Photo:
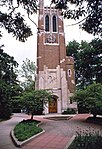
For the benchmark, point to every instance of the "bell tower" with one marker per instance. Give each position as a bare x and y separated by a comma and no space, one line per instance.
52,63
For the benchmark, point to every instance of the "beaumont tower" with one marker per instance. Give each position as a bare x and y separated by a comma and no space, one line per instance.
55,71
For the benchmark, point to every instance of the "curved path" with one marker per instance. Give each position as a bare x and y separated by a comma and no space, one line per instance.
57,134
6,127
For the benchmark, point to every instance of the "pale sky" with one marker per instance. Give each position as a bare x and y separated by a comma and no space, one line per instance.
20,51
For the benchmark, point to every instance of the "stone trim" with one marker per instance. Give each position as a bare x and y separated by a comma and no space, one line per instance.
70,142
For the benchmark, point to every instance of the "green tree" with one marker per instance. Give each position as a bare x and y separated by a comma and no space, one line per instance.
12,18
88,61
72,49
90,12
90,99
27,74
97,59
34,100
8,79
5,106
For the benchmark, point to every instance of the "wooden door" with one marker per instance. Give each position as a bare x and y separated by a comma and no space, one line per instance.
53,106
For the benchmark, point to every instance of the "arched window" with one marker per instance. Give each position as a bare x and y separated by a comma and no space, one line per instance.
69,72
47,23
54,24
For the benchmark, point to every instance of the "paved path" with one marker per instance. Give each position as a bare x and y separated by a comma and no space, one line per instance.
57,134
6,127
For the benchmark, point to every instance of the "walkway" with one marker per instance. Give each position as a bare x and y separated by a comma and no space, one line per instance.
57,134
6,127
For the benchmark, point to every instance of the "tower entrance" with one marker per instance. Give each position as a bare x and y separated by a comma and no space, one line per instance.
53,106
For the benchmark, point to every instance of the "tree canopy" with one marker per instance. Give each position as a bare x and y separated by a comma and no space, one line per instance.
35,100
87,12
8,83
27,74
88,61
13,20
90,99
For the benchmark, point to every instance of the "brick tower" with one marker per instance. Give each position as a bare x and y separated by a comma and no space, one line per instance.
55,71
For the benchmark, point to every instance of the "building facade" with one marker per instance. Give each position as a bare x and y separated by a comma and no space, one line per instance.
55,71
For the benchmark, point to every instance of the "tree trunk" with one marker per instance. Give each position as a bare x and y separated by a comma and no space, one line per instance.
32,116
94,115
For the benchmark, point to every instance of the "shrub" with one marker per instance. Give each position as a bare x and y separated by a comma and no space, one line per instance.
90,99
87,140
96,111
26,129
69,111
97,120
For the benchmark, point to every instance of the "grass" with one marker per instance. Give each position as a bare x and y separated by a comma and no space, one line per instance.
26,129
89,139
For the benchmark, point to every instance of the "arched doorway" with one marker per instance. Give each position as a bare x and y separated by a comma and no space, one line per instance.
53,105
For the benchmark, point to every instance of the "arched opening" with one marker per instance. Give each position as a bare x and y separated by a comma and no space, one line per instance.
47,23
53,104
54,22
69,72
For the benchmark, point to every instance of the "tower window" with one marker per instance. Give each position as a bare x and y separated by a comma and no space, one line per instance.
47,23
69,72
54,24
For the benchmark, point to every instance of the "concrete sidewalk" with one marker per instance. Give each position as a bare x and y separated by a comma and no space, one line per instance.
6,127
57,133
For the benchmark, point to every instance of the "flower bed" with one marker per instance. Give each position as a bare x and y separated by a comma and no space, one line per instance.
89,139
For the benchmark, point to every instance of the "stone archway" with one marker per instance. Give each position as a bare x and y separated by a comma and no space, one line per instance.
53,104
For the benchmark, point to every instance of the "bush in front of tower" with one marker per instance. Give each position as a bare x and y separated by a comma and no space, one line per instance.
69,111
89,99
